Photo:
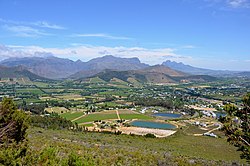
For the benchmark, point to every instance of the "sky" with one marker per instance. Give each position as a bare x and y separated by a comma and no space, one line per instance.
213,34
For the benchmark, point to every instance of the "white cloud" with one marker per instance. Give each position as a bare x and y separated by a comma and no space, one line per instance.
40,24
45,24
230,3
17,51
25,31
102,35
87,52
233,60
239,3
188,46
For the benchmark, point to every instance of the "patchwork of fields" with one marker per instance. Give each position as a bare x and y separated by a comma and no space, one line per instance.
104,115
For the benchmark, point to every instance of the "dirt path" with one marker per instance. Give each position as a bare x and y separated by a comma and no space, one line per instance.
117,113
217,128
85,123
214,129
23,81
78,118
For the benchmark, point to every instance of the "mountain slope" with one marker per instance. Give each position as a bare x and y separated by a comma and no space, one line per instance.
161,69
157,74
110,62
187,68
18,72
200,71
154,74
115,63
243,74
50,67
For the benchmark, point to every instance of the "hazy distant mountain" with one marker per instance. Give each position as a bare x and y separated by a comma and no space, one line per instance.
116,63
53,67
161,69
187,68
18,72
84,74
97,65
197,71
50,67
243,74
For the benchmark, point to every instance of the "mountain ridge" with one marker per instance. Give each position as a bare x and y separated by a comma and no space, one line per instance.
196,70
18,72
158,74
61,68
57,68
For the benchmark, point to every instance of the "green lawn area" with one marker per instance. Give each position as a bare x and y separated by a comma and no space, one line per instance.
53,90
96,80
124,114
134,116
96,116
41,84
32,100
30,90
88,125
71,116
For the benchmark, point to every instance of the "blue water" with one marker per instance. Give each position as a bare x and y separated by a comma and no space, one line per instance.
169,115
156,125
218,114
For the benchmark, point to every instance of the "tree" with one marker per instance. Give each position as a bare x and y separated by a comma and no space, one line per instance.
13,126
13,122
237,126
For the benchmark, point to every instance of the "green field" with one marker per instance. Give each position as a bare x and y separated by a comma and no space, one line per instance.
96,80
30,90
135,116
41,84
71,116
97,116
88,125
104,115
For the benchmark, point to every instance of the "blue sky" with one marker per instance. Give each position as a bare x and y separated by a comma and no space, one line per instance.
205,33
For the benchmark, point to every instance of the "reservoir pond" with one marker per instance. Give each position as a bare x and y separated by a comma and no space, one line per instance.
156,125
168,115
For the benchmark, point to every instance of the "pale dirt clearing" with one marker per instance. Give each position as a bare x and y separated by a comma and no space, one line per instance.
143,131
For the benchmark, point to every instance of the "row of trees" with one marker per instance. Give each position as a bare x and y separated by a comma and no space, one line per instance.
151,101
54,122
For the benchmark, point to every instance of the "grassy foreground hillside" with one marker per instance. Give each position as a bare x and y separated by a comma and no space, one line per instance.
110,149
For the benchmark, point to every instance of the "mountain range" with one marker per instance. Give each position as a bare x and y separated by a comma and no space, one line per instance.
109,67
56,68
